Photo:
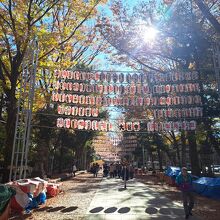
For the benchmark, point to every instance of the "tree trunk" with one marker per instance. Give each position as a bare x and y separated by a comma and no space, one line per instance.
10,129
160,159
1,105
175,143
193,153
79,155
61,159
183,140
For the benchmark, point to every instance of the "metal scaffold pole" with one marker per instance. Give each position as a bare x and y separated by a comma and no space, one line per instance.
19,158
216,62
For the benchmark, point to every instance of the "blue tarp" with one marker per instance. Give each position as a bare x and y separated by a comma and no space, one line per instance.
172,171
207,186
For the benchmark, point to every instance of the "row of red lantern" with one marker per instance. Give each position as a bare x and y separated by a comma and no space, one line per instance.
120,151
84,124
77,111
104,139
114,142
111,147
94,125
121,77
120,138
129,89
171,126
178,113
126,101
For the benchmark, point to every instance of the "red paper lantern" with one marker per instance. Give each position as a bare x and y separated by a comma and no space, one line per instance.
115,77
103,76
81,124
75,99
121,89
88,125
121,77
92,100
75,87
60,122
81,111
147,101
154,101
162,101
128,126
98,100
136,126
82,87
74,110
97,76
74,123
192,125
63,97
77,75
134,78
95,112
105,89
67,123
110,89
88,112
60,109
68,110
128,77
82,99
176,126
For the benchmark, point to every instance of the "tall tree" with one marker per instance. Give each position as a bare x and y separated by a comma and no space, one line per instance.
59,26
183,41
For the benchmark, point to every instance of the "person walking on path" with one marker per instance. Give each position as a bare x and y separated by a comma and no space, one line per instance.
74,170
111,170
96,169
184,181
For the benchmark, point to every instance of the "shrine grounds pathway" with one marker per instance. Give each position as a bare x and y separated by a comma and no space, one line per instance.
137,202
88,198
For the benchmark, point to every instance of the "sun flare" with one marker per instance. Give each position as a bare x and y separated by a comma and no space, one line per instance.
149,34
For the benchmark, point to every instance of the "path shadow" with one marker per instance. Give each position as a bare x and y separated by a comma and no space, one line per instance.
140,194
56,209
69,209
124,210
177,211
165,211
158,201
110,210
96,210
122,189
43,209
151,210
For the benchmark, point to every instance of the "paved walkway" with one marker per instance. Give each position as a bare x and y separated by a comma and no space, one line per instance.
137,202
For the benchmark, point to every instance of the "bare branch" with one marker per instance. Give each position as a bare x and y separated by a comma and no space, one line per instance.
45,12
206,12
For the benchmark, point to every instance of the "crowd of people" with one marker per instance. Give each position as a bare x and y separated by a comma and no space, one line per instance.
95,169
118,170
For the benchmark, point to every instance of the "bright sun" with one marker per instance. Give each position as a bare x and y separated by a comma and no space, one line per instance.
149,34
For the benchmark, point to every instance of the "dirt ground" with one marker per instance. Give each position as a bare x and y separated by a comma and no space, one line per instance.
205,208
72,203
